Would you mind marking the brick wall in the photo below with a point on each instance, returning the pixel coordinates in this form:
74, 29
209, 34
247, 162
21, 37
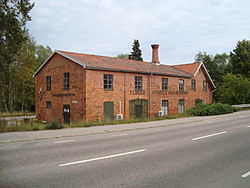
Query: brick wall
123, 91
74, 96
86, 95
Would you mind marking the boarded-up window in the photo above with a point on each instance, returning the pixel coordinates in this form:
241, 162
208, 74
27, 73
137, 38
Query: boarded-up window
48, 83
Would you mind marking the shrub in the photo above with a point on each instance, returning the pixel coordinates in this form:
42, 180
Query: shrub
55, 124
212, 109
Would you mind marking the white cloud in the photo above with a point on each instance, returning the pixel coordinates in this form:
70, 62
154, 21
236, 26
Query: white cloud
108, 27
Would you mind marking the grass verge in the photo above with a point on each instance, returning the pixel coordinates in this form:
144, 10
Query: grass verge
33, 125
13, 114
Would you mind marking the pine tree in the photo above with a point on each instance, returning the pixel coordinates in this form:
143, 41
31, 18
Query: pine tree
136, 53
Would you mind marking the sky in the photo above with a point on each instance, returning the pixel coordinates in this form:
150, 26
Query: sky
182, 28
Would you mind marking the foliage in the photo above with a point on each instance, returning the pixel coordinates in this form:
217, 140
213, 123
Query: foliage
240, 58
235, 89
14, 15
211, 109
6, 126
123, 56
136, 53
215, 65
14, 114
55, 124
42, 53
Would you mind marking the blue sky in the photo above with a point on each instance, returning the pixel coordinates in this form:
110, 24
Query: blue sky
182, 28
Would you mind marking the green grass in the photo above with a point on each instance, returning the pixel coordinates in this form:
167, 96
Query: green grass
13, 114
21, 126
33, 125
125, 121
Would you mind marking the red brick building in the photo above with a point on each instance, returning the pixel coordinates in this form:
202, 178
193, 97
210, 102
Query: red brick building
81, 87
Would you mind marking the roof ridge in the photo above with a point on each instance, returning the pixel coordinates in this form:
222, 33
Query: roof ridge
132, 60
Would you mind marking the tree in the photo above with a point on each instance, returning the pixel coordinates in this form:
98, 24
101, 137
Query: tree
136, 53
42, 53
216, 65
235, 89
123, 56
14, 15
240, 58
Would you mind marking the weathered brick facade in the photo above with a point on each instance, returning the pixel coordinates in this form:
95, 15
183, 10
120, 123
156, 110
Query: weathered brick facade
86, 94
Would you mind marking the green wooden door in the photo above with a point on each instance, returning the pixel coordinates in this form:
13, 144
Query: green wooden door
108, 111
138, 108
66, 113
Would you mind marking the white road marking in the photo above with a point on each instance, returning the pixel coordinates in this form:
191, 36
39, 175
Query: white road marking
105, 157
119, 134
63, 141
245, 175
215, 134
248, 126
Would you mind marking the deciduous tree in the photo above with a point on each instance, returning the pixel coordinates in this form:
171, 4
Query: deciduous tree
240, 58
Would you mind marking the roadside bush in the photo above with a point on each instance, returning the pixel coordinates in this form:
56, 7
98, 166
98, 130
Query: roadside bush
212, 109
55, 124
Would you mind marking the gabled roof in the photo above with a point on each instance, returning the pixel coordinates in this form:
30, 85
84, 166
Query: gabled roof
193, 69
190, 68
117, 64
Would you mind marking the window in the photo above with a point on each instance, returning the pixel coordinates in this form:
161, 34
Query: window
204, 85
48, 83
181, 85
198, 101
181, 106
66, 80
193, 85
108, 81
138, 83
164, 107
48, 104
164, 84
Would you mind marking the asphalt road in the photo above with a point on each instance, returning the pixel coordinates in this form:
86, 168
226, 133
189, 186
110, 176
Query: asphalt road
208, 154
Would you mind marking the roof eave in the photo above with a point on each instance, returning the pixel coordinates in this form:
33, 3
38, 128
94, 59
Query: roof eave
62, 54
209, 77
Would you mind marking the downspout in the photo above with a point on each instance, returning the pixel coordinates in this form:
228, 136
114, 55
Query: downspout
150, 84
124, 96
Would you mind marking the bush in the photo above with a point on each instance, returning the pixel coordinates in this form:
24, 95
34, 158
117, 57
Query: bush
212, 109
55, 124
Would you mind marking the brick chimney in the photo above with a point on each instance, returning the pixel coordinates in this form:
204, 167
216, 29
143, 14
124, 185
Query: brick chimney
155, 55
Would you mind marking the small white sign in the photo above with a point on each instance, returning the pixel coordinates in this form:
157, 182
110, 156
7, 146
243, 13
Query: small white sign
66, 110
74, 102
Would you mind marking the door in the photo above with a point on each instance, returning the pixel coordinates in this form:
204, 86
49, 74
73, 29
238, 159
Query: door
66, 113
138, 111
138, 108
181, 106
164, 107
108, 111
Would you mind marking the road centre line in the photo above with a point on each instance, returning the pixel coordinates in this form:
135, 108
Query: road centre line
215, 134
63, 141
245, 175
100, 158
119, 134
